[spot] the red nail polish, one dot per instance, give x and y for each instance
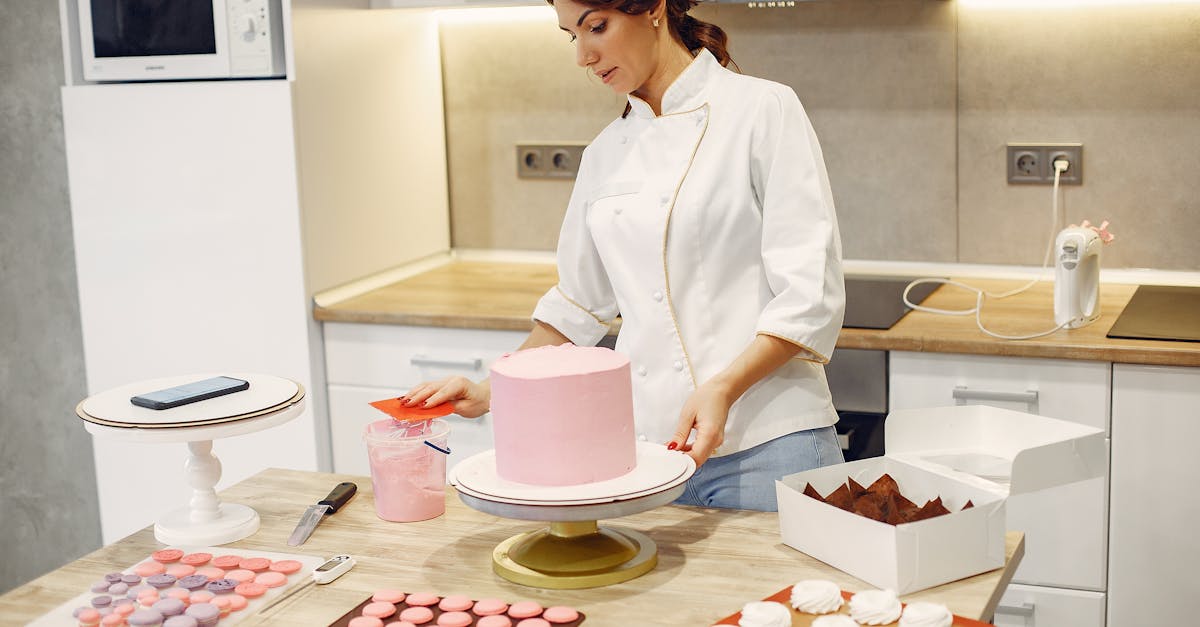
(672, 446)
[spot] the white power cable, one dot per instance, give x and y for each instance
(1060, 166)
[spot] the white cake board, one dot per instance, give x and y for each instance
(656, 468)
(658, 480)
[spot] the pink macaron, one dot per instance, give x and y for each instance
(422, 599)
(456, 603)
(379, 609)
(286, 567)
(455, 619)
(487, 607)
(525, 609)
(240, 575)
(388, 596)
(417, 615)
(560, 614)
(147, 569)
(494, 620)
(271, 579)
(237, 602)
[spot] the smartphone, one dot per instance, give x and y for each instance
(190, 393)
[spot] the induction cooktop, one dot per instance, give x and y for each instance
(874, 302)
(1160, 312)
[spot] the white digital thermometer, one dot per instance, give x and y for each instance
(332, 569)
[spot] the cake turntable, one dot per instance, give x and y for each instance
(575, 551)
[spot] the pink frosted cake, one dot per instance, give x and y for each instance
(563, 415)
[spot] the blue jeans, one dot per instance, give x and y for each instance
(746, 479)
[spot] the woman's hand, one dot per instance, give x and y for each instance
(469, 399)
(706, 411)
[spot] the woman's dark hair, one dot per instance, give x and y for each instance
(694, 33)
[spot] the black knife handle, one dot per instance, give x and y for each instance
(338, 497)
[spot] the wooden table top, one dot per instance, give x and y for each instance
(695, 582)
(498, 295)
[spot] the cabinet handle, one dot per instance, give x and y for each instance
(962, 394)
(1024, 610)
(466, 364)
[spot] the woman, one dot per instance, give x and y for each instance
(703, 216)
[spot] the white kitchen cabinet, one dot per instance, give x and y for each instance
(1039, 606)
(1154, 548)
(369, 362)
(1077, 391)
(1066, 533)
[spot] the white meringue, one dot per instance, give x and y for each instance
(765, 614)
(834, 620)
(816, 596)
(875, 607)
(922, 614)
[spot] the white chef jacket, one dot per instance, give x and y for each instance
(701, 228)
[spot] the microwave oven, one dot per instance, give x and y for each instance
(162, 40)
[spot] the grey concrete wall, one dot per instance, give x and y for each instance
(914, 102)
(48, 509)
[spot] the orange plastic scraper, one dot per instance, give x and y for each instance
(395, 408)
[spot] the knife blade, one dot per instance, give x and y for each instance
(339, 496)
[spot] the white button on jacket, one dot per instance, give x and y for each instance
(724, 199)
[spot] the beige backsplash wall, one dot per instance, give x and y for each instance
(914, 102)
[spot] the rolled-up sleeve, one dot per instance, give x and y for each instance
(583, 304)
(801, 245)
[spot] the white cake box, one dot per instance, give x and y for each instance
(965, 452)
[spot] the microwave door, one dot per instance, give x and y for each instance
(126, 40)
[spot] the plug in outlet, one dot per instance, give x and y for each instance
(558, 161)
(1034, 163)
(1073, 154)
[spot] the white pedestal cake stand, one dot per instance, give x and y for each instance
(269, 401)
(575, 551)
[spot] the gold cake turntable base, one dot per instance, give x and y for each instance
(575, 551)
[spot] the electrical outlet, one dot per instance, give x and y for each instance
(531, 162)
(1034, 163)
(1073, 153)
(560, 160)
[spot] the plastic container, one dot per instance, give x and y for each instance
(408, 468)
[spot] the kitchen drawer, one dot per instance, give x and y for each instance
(349, 414)
(1066, 529)
(1037, 606)
(396, 357)
(1077, 391)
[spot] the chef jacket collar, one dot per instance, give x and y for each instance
(686, 92)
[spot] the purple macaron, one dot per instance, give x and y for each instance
(161, 581)
(169, 607)
(192, 582)
(222, 586)
(145, 618)
(206, 614)
(180, 621)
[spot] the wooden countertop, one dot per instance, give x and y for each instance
(693, 584)
(495, 295)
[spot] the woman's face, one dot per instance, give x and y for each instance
(620, 49)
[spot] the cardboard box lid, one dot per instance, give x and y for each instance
(1011, 450)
